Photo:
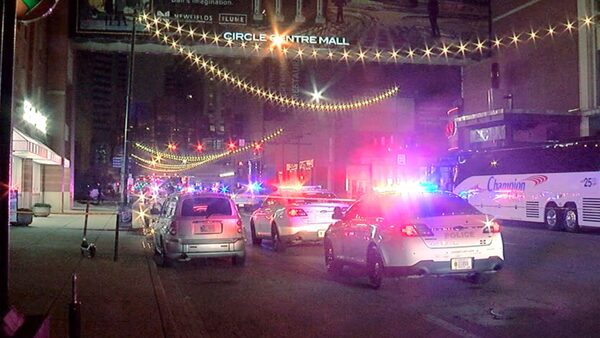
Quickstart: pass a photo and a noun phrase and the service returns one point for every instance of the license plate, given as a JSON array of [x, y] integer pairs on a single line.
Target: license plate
[[463, 263], [321, 233], [207, 227]]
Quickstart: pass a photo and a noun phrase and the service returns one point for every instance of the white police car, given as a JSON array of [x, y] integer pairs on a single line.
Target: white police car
[[294, 214], [436, 233]]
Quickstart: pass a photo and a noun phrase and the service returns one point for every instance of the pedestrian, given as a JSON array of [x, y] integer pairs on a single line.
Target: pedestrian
[[433, 8], [110, 12], [340, 10], [94, 194], [119, 7]]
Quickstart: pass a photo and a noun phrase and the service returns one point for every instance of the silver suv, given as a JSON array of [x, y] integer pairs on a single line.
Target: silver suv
[[199, 225]]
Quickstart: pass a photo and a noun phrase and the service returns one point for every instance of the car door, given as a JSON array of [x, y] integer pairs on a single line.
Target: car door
[[338, 232], [263, 217], [360, 232]]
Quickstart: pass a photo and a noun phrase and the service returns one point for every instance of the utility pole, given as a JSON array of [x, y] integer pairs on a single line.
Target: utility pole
[[124, 208], [7, 53]]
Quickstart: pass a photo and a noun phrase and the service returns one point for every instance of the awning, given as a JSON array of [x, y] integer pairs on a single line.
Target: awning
[[26, 147]]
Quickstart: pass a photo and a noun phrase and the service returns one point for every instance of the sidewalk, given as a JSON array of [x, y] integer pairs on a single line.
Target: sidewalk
[[119, 299]]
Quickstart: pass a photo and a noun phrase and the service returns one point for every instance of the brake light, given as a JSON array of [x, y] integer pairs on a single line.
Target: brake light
[[491, 226], [413, 230], [296, 212], [239, 225], [173, 228]]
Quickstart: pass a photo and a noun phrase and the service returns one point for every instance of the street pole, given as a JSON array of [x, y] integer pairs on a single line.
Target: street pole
[[7, 52], [124, 163]]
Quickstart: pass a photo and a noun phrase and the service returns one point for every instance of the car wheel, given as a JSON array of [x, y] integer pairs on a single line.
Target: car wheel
[[238, 260], [255, 239], [479, 278], [332, 265], [278, 244], [374, 268], [551, 218], [570, 220]]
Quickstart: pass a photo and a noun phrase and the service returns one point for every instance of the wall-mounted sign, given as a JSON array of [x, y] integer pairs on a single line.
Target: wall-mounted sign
[[326, 23], [34, 117], [489, 134]]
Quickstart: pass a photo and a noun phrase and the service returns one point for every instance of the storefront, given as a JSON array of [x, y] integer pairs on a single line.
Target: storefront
[[38, 173]]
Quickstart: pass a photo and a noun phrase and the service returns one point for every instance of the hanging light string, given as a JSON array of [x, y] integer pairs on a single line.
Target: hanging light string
[[187, 162], [190, 159], [459, 50], [212, 69]]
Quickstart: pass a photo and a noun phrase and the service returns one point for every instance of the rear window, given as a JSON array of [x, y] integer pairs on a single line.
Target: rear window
[[312, 197], [423, 206], [205, 207]]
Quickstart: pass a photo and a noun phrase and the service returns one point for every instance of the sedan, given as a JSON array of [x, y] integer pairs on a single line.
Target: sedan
[[295, 215], [426, 233]]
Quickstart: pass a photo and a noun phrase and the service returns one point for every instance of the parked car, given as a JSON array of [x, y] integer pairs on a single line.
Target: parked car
[[204, 224], [294, 215], [415, 234]]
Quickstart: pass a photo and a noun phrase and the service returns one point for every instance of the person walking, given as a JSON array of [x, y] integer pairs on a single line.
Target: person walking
[[433, 8], [340, 10]]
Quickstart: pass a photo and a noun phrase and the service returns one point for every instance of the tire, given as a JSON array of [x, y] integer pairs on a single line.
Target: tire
[[238, 260], [333, 266], [374, 268], [570, 221], [278, 244], [552, 218], [255, 239]]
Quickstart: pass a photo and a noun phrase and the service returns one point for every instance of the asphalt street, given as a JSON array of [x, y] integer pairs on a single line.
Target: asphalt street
[[548, 288]]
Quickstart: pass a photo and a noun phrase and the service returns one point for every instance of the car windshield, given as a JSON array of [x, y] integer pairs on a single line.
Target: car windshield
[[422, 206], [205, 207]]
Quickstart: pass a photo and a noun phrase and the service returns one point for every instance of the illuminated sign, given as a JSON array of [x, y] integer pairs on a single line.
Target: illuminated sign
[[227, 174], [297, 39], [33, 116]]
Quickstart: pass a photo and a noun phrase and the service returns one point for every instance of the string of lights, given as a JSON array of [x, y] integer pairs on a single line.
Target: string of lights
[[186, 162], [451, 49], [210, 68], [159, 155]]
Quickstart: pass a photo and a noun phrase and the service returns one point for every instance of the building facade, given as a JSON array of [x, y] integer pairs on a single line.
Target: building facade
[[546, 76], [42, 119]]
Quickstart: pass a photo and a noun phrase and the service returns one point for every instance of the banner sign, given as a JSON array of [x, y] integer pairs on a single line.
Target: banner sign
[[383, 24]]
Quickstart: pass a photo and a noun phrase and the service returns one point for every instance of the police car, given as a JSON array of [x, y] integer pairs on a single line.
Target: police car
[[294, 214], [417, 233]]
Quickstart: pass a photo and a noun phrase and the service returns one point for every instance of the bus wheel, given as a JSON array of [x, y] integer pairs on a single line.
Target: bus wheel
[[551, 218], [570, 220]]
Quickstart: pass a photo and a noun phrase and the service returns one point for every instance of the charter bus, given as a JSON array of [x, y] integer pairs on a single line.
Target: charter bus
[[556, 184]]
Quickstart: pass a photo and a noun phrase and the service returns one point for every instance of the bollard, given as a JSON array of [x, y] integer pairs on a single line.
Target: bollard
[[74, 312]]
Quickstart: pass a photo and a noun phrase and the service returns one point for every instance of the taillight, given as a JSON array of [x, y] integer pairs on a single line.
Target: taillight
[[173, 228], [413, 230], [239, 225], [491, 227], [296, 212]]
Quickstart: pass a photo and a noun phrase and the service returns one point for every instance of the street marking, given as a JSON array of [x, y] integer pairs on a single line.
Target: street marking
[[450, 327]]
